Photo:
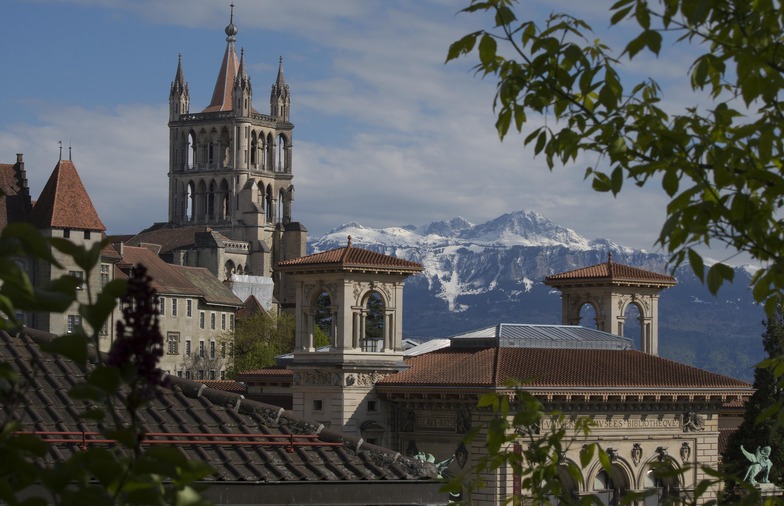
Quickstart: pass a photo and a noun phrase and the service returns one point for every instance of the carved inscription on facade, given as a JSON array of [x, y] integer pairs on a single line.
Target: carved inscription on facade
[[435, 423], [619, 423]]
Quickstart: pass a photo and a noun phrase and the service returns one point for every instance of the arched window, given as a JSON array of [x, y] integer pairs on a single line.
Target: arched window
[[323, 321], [254, 146], [190, 201], [269, 204], [588, 316], [280, 164], [373, 340], [632, 325], [211, 202], [228, 269]]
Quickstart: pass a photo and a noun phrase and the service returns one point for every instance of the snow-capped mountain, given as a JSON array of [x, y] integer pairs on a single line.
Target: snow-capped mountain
[[490, 273]]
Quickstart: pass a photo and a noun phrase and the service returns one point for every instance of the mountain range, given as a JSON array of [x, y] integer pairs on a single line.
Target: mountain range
[[481, 275]]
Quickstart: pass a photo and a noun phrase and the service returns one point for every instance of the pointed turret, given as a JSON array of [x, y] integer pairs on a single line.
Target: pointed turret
[[179, 97], [280, 98], [64, 202], [221, 96], [242, 91]]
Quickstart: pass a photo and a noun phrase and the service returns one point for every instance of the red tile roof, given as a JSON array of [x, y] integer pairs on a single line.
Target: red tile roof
[[610, 272], [165, 279], [349, 258], [64, 203], [556, 368], [221, 95], [225, 385]]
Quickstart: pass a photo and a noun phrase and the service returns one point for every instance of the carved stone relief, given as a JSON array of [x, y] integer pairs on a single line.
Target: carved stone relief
[[685, 451], [693, 422], [636, 454], [316, 378]]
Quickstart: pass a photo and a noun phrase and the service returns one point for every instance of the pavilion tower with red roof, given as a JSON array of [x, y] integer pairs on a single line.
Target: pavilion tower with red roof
[[64, 209], [610, 288], [335, 384]]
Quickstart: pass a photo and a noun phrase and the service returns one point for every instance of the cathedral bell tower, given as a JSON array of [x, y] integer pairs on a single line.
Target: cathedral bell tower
[[230, 171]]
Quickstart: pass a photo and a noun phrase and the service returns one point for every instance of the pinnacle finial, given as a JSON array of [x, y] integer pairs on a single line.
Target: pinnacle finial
[[61, 149], [609, 257], [349, 242], [231, 29]]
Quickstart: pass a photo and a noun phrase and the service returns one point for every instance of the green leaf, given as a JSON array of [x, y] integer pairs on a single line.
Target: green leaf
[[697, 265], [487, 49], [717, 274], [72, 346]]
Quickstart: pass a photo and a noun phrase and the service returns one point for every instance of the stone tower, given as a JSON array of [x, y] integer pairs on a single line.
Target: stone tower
[[230, 171], [334, 385], [610, 289]]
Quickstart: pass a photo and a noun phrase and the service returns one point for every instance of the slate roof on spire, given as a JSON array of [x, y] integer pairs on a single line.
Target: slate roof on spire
[[64, 203], [610, 272], [349, 258]]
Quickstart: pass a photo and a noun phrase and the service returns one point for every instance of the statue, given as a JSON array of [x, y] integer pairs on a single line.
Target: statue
[[440, 466], [759, 462]]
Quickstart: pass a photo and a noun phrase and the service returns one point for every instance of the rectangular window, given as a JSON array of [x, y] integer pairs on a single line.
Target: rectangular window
[[188, 308], [231, 322], [201, 374], [201, 319], [67, 233], [173, 343], [104, 274], [187, 375], [223, 349], [223, 321], [372, 407], [179, 374], [212, 374], [223, 375], [87, 235], [73, 323], [201, 349], [212, 321], [187, 347], [318, 405], [80, 276], [212, 349], [162, 306], [174, 307]]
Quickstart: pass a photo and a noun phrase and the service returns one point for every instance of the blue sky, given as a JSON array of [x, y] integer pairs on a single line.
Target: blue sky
[[385, 133]]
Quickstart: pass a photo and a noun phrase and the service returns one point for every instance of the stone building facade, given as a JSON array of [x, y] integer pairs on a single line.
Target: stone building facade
[[645, 411]]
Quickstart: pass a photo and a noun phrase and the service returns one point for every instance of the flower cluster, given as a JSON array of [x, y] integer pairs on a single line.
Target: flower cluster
[[139, 343]]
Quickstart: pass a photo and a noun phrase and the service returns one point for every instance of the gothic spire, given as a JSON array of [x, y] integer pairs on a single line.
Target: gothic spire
[[179, 85], [221, 96], [280, 101]]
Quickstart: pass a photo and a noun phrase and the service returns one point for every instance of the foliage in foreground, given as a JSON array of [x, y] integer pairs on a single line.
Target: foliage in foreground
[[720, 160], [115, 389]]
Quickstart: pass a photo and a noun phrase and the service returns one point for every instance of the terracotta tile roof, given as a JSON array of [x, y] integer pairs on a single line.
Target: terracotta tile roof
[[165, 279], [212, 289], [221, 95], [225, 385], [64, 203], [610, 272], [273, 371], [189, 407], [250, 308], [349, 258], [169, 238], [556, 368]]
